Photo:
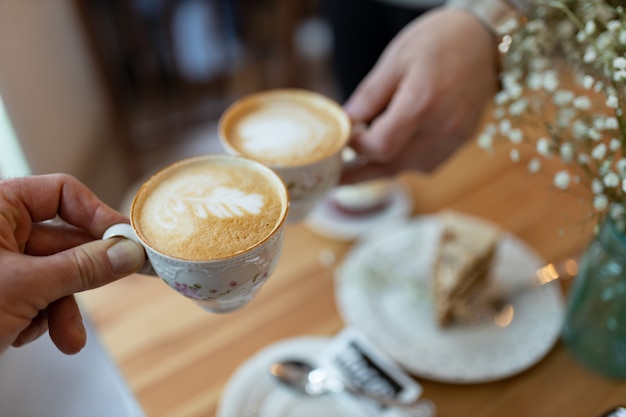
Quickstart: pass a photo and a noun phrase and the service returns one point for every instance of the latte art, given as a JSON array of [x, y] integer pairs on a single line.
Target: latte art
[[209, 208], [221, 202], [282, 132]]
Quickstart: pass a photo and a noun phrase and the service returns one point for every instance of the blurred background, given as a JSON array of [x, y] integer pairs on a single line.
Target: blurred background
[[112, 90]]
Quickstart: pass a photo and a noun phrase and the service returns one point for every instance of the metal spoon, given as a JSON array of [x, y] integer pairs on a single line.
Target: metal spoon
[[308, 380]]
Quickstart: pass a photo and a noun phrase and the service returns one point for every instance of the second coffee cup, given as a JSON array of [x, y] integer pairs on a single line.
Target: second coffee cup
[[298, 133]]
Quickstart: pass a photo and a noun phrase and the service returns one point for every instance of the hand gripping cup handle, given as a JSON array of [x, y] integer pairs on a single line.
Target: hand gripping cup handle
[[126, 231]]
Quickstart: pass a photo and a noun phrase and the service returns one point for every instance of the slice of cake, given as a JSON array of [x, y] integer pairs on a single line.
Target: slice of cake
[[460, 270]]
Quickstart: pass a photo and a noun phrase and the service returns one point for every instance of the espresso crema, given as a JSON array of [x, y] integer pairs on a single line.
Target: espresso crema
[[209, 208], [285, 127]]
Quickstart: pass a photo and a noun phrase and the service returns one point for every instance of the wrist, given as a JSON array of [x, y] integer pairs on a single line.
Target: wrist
[[499, 17]]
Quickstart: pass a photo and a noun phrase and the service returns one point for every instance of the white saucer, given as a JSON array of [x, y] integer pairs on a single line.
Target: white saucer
[[252, 391], [383, 289], [327, 221], [38, 380]]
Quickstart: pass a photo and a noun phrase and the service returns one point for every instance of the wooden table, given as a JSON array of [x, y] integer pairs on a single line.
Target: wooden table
[[178, 358]]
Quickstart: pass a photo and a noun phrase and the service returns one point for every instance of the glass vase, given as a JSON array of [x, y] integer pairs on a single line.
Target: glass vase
[[595, 321]]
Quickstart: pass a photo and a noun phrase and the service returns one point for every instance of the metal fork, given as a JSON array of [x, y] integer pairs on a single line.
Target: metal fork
[[498, 307]]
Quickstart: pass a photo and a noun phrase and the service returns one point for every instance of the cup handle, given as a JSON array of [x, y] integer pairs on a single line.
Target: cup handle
[[126, 231], [350, 158]]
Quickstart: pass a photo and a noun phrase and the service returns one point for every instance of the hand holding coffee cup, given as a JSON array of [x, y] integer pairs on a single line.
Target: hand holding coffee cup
[[300, 134], [212, 227]]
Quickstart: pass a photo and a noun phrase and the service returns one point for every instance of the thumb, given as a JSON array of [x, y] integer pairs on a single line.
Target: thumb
[[91, 265]]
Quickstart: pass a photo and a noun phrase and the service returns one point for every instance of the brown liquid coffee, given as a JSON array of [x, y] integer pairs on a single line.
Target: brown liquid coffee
[[209, 208], [285, 127]]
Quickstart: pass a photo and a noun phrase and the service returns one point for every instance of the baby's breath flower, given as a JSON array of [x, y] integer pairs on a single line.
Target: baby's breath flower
[[579, 129], [596, 186], [505, 126], [588, 82], [612, 101], [534, 82], [617, 211], [566, 152], [543, 147], [583, 159], [485, 141], [603, 42], [565, 117], [563, 97], [620, 165], [615, 145], [594, 134], [613, 25], [502, 97], [599, 151], [499, 113], [534, 165], [516, 135], [619, 63], [590, 54], [619, 75], [562, 180], [611, 180], [611, 123], [550, 81], [490, 129], [518, 107], [514, 154], [600, 202], [582, 103]]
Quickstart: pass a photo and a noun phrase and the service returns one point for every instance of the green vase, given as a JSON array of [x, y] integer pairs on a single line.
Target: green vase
[[595, 321]]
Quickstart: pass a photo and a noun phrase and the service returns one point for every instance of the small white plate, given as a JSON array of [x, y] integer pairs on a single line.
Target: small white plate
[[383, 288], [327, 221], [252, 391]]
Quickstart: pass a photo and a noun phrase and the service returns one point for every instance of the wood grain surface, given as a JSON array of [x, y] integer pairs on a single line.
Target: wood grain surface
[[178, 358]]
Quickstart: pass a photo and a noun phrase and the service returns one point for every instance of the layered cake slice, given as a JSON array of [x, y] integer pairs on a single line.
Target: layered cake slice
[[461, 266]]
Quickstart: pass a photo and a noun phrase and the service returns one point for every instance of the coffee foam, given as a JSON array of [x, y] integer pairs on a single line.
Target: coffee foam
[[286, 130], [208, 209]]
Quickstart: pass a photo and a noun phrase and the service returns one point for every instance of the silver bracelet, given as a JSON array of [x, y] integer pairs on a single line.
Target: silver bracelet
[[495, 15], [500, 17]]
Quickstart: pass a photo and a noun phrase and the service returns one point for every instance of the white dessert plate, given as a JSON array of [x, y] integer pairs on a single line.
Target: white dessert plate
[[252, 391], [38, 380], [327, 221], [383, 289]]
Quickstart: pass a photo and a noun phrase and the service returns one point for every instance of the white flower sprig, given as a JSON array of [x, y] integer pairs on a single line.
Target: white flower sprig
[[565, 73]]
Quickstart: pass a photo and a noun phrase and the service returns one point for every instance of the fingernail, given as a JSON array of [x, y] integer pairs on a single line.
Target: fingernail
[[27, 336], [354, 109], [81, 331], [126, 256]]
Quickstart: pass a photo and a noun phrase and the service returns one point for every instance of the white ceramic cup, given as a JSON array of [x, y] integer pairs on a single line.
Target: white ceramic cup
[[300, 134], [224, 282]]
